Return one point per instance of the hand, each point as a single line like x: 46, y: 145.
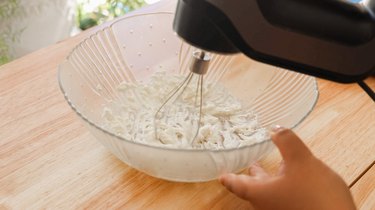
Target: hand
x: 302, y: 182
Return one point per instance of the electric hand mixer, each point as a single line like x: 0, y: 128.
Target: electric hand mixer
x: 330, y: 39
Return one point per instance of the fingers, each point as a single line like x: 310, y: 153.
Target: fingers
x: 281, y: 168
x: 243, y: 185
x: 240, y: 185
x: 257, y: 172
x: 291, y: 147
x: 292, y: 150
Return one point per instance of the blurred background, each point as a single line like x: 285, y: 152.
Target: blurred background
x: 28, y: 25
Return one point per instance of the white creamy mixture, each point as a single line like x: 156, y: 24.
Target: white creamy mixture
x: 224, y: 123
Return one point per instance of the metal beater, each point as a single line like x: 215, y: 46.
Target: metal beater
x: 198, y: 67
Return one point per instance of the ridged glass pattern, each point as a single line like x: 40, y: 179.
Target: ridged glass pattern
x: 132, y: 49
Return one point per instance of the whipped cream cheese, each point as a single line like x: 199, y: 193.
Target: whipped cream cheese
x: 225, y: 123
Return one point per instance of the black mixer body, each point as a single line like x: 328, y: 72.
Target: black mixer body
x: 330, y: 39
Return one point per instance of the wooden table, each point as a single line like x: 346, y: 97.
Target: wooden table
x: 49, y: 160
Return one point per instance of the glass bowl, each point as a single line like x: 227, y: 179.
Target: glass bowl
x: 135, y: 47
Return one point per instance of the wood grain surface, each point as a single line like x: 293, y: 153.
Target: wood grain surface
x: 364, y: 190
x: 48, y: 160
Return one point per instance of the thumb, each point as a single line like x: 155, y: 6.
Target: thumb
x: 291, y: 147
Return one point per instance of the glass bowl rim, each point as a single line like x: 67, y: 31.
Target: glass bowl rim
x: 118, y: 137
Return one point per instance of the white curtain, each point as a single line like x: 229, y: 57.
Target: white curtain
x: 40, y: 23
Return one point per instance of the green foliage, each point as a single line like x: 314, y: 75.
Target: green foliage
x: 106, y: 11
x: 4, y: 52
x: 7, y: 10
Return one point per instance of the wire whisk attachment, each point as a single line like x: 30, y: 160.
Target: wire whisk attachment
x: 179, y: 117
